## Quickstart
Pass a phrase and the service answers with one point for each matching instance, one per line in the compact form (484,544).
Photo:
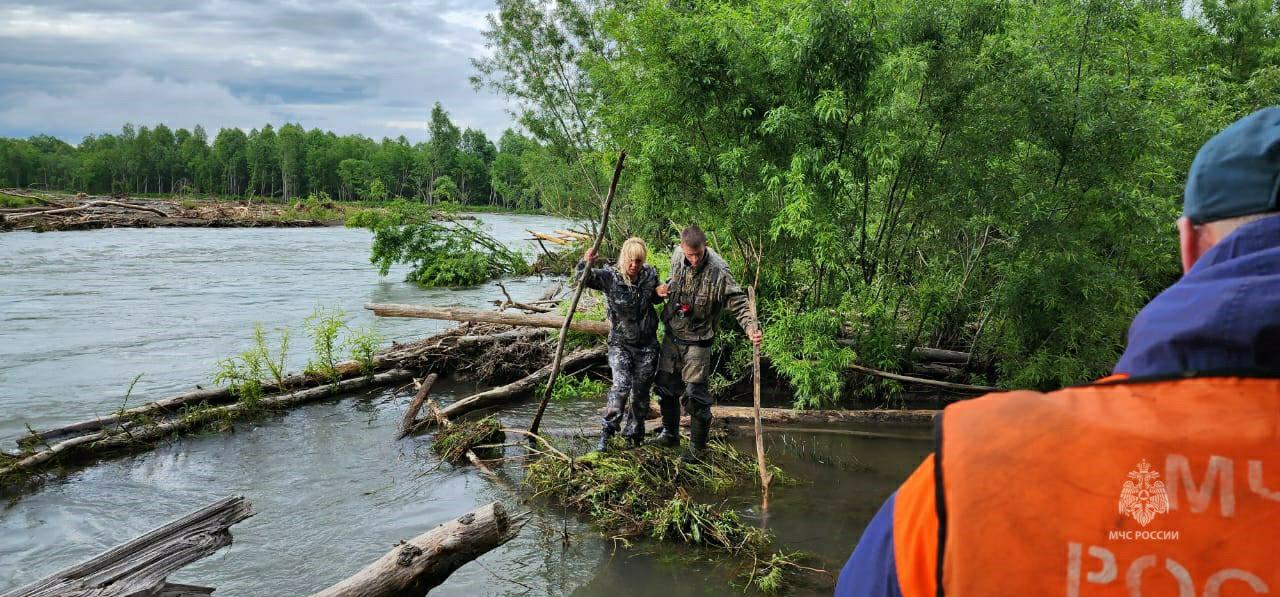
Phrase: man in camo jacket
(699,289)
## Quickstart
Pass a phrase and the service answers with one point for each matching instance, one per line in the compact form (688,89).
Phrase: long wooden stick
(577,295)
(765,475)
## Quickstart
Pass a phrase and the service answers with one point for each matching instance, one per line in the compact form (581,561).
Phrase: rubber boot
(670,436)
(605,435)
(699,429)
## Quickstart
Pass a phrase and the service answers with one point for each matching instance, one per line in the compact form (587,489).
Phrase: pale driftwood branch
(513,390)
(424,562)
(140,566)
(411,415)
(549,238)
(599,328)
(959,387)
(510,302)
(572,234)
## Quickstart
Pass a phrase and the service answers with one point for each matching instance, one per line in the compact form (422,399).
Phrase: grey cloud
(73,68)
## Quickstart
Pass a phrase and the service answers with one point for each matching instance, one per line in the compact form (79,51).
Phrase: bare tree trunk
(541,320)
(426,561)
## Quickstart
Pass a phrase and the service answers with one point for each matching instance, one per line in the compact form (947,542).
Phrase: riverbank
(46,211)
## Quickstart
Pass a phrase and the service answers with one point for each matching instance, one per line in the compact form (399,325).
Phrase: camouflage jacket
(629,307)
(698,295)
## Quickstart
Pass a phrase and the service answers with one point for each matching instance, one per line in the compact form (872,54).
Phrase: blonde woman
(630,290)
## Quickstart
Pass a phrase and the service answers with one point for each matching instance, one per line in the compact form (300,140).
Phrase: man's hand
(756,336)
(589,256)
(662,290)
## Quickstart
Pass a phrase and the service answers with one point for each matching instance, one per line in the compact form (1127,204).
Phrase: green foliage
(244,374)
(325,326)
(450,253)
(443,189)
(266,162)
(570,388)
(985,176)
(363,344)
(802,347)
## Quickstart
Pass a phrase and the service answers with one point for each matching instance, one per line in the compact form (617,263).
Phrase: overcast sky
(75,67)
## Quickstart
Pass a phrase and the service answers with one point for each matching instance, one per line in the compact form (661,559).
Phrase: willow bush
(992,176)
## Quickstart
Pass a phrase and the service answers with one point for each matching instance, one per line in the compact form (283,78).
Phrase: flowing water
(84,313)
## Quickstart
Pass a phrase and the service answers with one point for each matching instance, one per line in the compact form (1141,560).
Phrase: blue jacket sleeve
(871,571)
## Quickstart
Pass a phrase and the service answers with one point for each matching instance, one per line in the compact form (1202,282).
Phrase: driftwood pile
(91,212)
(491,354)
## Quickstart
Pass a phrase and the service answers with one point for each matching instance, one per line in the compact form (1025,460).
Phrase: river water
(83,313)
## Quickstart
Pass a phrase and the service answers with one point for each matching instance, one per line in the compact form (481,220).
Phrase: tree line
(463,166)
(994,176)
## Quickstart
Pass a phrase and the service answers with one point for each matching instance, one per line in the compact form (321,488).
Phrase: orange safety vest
(1168,487)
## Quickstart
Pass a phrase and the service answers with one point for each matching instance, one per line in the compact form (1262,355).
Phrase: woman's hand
(589,256)
(662,290)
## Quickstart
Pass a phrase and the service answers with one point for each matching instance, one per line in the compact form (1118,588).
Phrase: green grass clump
(575,388)
(645,492)
(453,442)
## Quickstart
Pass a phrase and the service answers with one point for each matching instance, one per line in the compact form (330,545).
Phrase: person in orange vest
(1162,479)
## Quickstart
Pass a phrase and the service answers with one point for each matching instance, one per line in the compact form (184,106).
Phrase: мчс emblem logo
(1143,496)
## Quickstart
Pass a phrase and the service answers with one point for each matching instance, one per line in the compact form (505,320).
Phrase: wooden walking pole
(577,295)
(765,475)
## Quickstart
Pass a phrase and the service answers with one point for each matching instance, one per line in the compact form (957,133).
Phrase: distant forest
(455,165)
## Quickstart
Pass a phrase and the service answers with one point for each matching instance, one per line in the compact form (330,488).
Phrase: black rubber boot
(605,435)
(699,429)
(670,436)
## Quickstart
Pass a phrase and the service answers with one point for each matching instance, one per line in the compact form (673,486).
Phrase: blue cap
(1237,172)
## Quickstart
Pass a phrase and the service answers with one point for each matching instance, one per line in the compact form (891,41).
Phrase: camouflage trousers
(683,370)
(628,406)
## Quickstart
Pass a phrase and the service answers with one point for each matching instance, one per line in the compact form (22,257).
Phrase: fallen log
(134,434)
(170,405)
(599,328)
(923,353)
(141,566)
(745,415)
(549,238)
(424,562)
(935,370)
(411,415)
(572,234)
(85,207)
(958,387)
(516,334)
(938,355)
(515,389)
